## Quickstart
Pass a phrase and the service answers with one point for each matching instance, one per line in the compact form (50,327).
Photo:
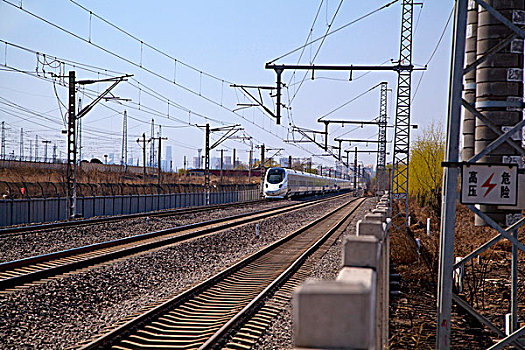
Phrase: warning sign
(489,184)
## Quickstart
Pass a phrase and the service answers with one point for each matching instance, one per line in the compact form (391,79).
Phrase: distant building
(227,163)
(168,158)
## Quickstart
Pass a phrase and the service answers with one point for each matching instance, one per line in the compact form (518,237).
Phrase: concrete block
(381,211)
(365,228)
(374,217)
(362,251)
(336,314)
(387,208)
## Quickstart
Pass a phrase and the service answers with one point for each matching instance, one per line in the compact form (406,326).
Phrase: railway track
(228,310)
(23,272)
(10,231)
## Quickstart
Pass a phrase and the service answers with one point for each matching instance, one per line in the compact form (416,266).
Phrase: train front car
(275,183)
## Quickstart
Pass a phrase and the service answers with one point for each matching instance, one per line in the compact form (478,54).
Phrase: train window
(275,175)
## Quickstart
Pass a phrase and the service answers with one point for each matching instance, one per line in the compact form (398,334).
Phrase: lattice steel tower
(402,125)
(381,145)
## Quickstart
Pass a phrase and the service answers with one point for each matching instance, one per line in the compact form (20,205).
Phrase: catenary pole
(448,208)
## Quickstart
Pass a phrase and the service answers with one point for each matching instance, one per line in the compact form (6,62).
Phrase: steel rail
(9,231)
(28,270)
(224,325)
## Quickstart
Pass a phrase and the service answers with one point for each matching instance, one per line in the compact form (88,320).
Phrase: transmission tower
(498,98)
(381,145)
(402,124)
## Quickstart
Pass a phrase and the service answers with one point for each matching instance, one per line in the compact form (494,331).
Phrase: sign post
(489,184)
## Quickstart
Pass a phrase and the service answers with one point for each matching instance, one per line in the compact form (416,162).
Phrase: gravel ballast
(280,335)
(35,243)
(67,311)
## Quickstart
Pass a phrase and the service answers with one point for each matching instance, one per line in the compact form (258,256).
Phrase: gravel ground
(279,336)
(67,311)
(35,243)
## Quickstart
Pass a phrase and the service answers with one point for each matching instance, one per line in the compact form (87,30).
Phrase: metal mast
(152,146)
(36,148)
(71,148)
(381,138)
(21,144)
(79,131)
(124,151)
(402,125)
(207,164)
(2,152)
(483,110)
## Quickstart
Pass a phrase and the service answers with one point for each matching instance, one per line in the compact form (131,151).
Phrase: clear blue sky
(231,40)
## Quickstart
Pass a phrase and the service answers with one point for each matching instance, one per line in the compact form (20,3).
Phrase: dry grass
(486,282)
(38,182)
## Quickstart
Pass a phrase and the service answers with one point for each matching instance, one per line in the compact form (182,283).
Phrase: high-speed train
(286,183)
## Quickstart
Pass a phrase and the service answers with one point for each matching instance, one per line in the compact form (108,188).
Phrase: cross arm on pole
(230,131)
(258,101)
(90,106)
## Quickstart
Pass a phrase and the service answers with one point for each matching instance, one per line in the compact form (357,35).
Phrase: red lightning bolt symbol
(488,185)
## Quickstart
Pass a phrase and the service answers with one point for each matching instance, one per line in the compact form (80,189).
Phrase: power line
(433,52)
(147,70)
(306,41)
(72,63)
(44,78)
(318,49)
(143,43)
(351,100)
(140,66)
(334,31)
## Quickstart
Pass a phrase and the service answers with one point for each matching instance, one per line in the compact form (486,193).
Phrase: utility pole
(355,173)
(54,153)
(228,132)
(184,165)
(290,162)
(233,160)
(207,164)
(262,168)
(160,138)
(143,146)
(348,162)
(2,153)
(250,161)
(30,150)
(21,144)
(152,146)
(71,132)
(222,162)
(79,129)
(36,148)
(45,142)
(124,152)
(71,169)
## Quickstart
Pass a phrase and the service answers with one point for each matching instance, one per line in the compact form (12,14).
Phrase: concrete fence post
(352,311)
